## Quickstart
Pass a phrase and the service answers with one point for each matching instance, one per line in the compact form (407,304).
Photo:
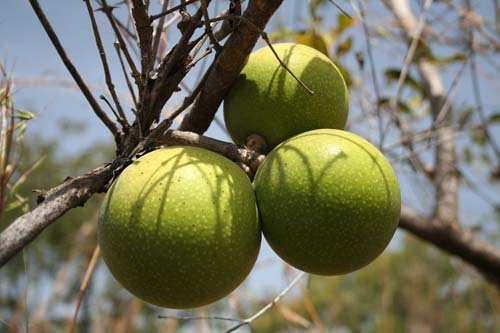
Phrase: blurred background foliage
(412,287)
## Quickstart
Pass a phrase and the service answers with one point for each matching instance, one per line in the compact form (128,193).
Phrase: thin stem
(122,64)
(340,9)
(159,30)
(84,285)
(373,72)
(208,27)
(171,10)
(269,305)
(264,36)
(71,68)
(135,73)
(410,54)
(122,119)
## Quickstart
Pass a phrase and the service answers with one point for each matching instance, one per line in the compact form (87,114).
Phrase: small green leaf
(312,39)
(344,23)
(344,47)
(494,118)
(459,57)
(393,74)
(402,106)
(479,135)
(24,115)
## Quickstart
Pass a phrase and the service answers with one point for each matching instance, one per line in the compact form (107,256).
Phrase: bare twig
(83,287)
(71,193)
(122,119)
(208,27)
(373,73)
(265,37)
(159,30)
(340,8)
(71,68)
(228,65)
(108,11)
(410,54)
(171,10)
(477,92)
(122,64)
(249,320)
(189,318)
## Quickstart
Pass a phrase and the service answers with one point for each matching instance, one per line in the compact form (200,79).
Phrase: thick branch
(228,65)
(145,35)
(75,192)
(455,241)
(71,193)
(231,151)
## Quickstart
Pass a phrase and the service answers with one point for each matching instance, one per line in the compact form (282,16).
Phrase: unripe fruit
(179,227)
(329,201)
(268,101)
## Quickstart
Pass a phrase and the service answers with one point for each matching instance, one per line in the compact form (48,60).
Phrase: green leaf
(24,115)
(459,57)
(402,106)
(344,23)
(15,205)
(393,74)
(344,47)
(494,118)
(312,39)
(479,135)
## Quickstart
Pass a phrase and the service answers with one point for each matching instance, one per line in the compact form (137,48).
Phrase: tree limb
(74,192)
(455,241)
(228,65)
(71,193)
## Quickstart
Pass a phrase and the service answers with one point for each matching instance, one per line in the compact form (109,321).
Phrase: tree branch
(76,191)
(71,193)
(228,65)
(455,241)
(72,70)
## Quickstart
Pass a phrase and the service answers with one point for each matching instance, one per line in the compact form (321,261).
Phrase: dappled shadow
(187,226)
(330,209)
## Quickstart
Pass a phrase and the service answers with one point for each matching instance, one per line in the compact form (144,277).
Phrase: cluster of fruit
(181,226)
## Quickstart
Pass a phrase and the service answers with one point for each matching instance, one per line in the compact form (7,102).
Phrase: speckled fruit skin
(179,227)
(267,100)
(329,201)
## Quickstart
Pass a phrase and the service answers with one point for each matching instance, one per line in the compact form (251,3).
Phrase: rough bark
(228,65)
(71,193)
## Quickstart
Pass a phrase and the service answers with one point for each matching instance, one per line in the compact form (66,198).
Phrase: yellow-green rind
(329,201)
(267,100)
(179,227)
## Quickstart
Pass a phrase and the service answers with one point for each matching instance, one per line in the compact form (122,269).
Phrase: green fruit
(179,227)
(268,101)
(329,201)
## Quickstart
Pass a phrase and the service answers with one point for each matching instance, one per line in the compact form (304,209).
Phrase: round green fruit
(268,101)
(329,201)
(179,227)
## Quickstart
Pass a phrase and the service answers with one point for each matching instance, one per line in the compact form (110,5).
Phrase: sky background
(26,52)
